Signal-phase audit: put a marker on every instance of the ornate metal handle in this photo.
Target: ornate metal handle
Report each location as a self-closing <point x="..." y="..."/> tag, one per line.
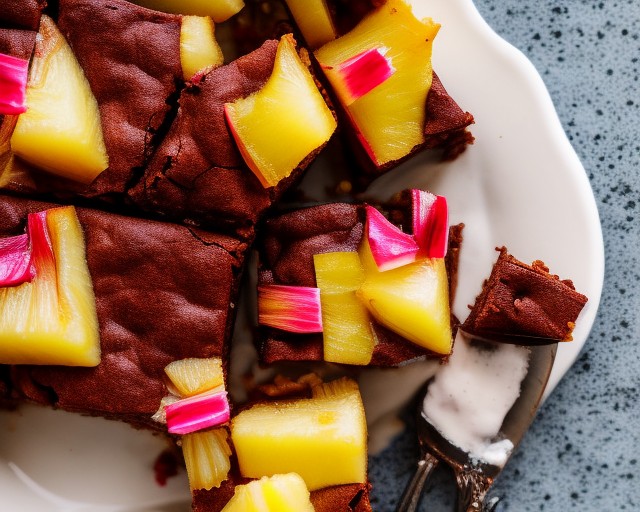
<point x="413" y="492"/>
<point x="472" y="489"/>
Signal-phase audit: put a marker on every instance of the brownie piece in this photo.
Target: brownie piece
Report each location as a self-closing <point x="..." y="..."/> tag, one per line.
<point x="525" y="300"/>
<point x="198" y="174"/>
<point x="163" y="292"/>
<point x="286" y="248"/>
<point x="133" y="79"/>
<point x="339" y="498"/>
<point x="131" y="58"/>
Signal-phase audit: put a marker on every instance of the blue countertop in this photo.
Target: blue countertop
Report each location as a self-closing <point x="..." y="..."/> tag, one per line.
<point x="583" y="451"/>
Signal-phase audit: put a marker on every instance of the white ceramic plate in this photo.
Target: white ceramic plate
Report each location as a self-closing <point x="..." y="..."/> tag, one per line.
<point x="521" y="185"/>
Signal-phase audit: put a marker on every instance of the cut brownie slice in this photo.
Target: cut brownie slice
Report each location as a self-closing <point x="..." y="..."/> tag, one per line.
<point x="163" y="292"/>
<point x="198" y="174"/>
<point x="525" y="300"/>
<point x="131" y="58"/>
<point x="287" y="247"/>
<point x="133" y="79"/>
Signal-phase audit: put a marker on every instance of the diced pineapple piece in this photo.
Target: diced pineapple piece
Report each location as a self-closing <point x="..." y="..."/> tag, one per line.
<point x="60" y="131"/>
<point x="195" y="375"/>
<point x="279" y="493"/>
<point x="206" y="456"/>
<point x="52" y="319"/>
<point x="390" y="118"/>
<point x="280" y="125"/>
<point x="314" y="21"/>
<point x="199" y="49"/>
<point x="412" y="300"/>
<point x="347" y="334"/>
<point x="323" y="439"/>
<point x="218" y="10"/>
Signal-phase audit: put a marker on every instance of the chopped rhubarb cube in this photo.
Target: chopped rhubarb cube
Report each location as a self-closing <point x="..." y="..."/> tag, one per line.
<point x="363" y="73"/>
<point x="13" y="84"/>
<point x="198" y="412"/>
<point x="430" y="223"/>
<point x="290" y="308"/>
<point x="15" y="261"/>
<point x="390" y="247"/>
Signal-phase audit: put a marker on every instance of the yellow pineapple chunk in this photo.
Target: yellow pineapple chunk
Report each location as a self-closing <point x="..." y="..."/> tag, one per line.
<point x="390" y="118"/>
<point x="412" y="300"/>
<point x="323" y="439"/>
<point x="280" y="125"/>
<point x="218" y="10"/>
<point x="206" y="456"/>
<point x="199" y="49"/>
<point x="60" y="131"/>
<point x="52" y="319"/>
<point x="346" y="324"/>
<point x="279" y="493"/>
<point x="314" y="21"/>
<point x="194" y="375"/>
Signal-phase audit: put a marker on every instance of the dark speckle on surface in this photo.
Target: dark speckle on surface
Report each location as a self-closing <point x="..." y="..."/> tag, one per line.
<point x="582" y="451"/>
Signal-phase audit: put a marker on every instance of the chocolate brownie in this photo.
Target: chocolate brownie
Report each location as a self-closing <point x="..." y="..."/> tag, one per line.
<point x="525" y="300"/>
<point x="24" y="14"/>
<point x="339" y="498"/>
<point x="286" y="247"/>
<point x="163" y="292"/>
<point x="131" y="58"/>
<point x="198" y="174"/>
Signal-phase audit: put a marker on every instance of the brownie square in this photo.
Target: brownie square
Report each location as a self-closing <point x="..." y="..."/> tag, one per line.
<point x="198" y="175"/>
<point x="286" y="247"/>
<point x="525" y="300"/>
<point x="163" y="292"/>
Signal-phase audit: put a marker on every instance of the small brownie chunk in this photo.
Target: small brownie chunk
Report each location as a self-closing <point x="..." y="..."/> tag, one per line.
<point x="525" y="300"/>
<point x="446" y="123"/>
<point x="163" y="292"/>
<point x="287" y="245"/>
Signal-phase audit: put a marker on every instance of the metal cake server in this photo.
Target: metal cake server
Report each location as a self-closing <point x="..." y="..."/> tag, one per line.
<point x="474" y="479"/>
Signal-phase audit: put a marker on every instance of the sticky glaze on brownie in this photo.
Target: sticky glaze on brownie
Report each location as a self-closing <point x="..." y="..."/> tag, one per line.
<point x="525" y="300"/>
<point x="163" y="292"/>
<point x="198" y="174"/>
<point x="287" y="245"/>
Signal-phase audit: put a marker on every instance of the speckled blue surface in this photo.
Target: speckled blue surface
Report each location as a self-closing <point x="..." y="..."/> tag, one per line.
<point x="583" y="451"/>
